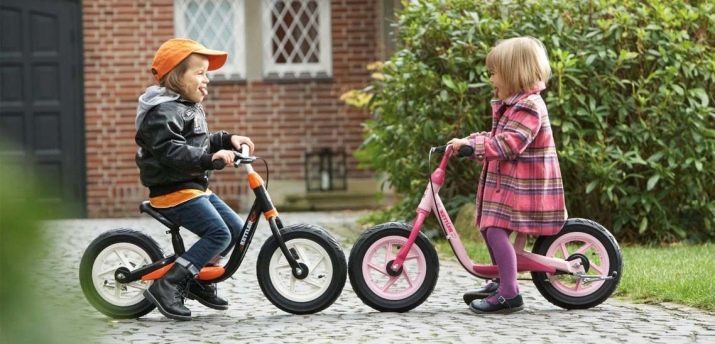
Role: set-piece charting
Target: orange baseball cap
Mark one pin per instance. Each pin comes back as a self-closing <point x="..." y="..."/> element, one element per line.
<point x="175" y="50"/>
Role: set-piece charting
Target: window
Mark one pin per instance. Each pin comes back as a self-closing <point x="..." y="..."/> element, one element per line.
<point x="217" y="24"/>
<point x="296" y="39"/>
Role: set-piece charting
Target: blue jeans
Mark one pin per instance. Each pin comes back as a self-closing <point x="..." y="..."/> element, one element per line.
<point x="217" y="225"/>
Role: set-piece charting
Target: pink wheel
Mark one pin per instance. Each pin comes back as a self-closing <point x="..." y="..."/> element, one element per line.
<point x="374" y="264"/>
<point x="578" y="244"/>
<point x="380" y="290"/>
<point x="600" y="255"/>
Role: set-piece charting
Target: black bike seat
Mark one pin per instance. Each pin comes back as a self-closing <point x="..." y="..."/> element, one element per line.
<point x="145" y="207"/>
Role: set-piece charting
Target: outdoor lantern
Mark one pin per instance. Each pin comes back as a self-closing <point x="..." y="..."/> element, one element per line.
<point x="325" y="170"/>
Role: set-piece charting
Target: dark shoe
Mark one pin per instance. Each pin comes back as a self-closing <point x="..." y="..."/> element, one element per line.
<point x="168" y="293"/>
<point x="207" y="295"/>
<point x="481" y="293"/>
<point x="505" y="306"/>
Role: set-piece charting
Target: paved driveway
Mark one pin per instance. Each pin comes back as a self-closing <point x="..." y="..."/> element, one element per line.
<point x="443" y="318"/>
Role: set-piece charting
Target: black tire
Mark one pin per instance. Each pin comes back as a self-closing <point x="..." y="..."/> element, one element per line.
<point x="358" y="280"/>
<point x="139" y="306"/>
<point x="317" y="241"/>
<point x="598" y="294"/>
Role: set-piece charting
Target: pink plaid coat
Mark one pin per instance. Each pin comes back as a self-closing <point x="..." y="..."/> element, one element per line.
<point x="520" y="188"/>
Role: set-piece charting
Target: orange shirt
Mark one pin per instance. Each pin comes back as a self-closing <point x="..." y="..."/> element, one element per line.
<point x="177" y="197"/>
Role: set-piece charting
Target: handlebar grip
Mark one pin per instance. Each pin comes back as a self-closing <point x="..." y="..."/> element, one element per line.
<point x="465" y="151"/>
<point x="218" y="164"/>
<point x="440" y="149"/>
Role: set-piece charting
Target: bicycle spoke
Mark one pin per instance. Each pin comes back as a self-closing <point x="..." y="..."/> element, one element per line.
<point x="407" y="278"/>
<point x="126" y="263"/>
<point x="389" y="283"/>
<point x="302" y="255"/>
<point x="584" y="248"/>
<point x="110" y="271"/>
<point x="380" y="270"/>
<point x="282" y="265"/>
<point x="598" y="268"/>
<point x="312" y="281"/>
<point x="388" y="252"/>
<point x="315" y="264"/>
<point x="564" y="251"/>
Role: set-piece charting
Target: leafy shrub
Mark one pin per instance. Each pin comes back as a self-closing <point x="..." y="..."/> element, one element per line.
<point x="630" y="102"/>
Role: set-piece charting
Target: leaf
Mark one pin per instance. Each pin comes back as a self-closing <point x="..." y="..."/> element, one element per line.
<point x="652" y="181"/>
<point x="698" y="165"/>
<point x="655" y="157"/>
<point x="591" y="186"/>
<point x="590" y="59"/>
<point x="700" y="93"/>
<point x="447" y="81"/>
<point x="643" y="226"/>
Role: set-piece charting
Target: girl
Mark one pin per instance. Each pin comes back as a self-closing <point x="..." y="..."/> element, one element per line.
<point x="520" y="187"/>
<point x="175" y="153"/>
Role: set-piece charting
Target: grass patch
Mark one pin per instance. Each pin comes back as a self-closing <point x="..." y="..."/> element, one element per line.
<point x="683" y="274"/>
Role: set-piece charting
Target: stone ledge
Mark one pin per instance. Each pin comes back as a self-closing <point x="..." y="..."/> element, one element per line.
<point x="332" y="200"/>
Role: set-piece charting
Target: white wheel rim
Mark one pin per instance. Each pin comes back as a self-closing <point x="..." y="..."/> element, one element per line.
<point x="107" y="262"/>
<point x="320" y="271"/>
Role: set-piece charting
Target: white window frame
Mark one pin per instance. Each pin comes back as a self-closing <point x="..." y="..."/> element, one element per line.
<point x="323" y="68"/>
<point x="235" y="68"/>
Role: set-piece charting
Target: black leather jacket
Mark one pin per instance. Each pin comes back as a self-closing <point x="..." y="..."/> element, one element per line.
<point x="175" y="147"/>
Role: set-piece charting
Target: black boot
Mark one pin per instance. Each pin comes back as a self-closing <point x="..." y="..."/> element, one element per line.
<point x="168" y="293"/>
<point x="207" y="295"/>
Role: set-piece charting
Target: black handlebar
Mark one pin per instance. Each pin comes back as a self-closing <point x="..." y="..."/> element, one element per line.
<point x="218" y="164"/>
<point x="464" y="151"/>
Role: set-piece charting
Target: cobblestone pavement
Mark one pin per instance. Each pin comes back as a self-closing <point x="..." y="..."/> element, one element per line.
<point x="443" y="318"/>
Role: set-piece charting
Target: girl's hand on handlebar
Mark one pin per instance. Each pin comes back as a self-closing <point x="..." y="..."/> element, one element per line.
<point x="226" y="155"/>
<point x="237" y="141"/>
<point x="457" y="143"/>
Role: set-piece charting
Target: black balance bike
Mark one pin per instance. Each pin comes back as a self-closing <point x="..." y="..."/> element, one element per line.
<point x="301" y="269"/>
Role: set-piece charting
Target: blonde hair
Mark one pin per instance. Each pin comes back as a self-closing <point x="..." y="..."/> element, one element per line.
<point x="172" y="80"/>
<point x="521" y="63"/>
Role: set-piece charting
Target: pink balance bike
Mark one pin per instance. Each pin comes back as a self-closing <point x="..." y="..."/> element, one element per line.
<point x="393" y="267"/>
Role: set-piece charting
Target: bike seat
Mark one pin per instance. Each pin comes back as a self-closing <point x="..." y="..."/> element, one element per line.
<point x="146" y="207"/>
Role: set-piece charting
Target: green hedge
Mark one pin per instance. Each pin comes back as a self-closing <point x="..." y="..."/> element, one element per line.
<point x="630" y="100"/>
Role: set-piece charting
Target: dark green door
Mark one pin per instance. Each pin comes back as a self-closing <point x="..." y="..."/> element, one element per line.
<point x="41" y="108"/>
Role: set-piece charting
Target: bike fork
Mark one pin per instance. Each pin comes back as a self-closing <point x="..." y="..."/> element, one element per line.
<point x="394" y="267"/>
<point x="300" y="270"/>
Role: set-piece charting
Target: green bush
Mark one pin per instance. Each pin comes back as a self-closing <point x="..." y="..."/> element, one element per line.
<point x="630" y="101"/>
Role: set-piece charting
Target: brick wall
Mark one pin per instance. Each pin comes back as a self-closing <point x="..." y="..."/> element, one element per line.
<point x="283" y="119"/>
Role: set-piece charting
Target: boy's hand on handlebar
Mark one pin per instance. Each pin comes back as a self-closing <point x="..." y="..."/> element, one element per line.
<point x="237" y="141"/>
<point x="457" y="143"/>
<point x="226" y="155"/>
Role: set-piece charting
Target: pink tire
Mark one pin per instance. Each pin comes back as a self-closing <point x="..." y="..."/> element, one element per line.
<point x="401" y="292"/>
